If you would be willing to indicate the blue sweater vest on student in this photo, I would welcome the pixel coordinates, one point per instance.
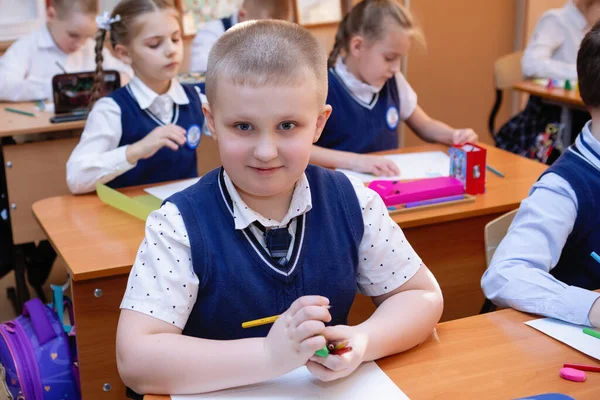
(576, 267)
(239, 281)
(357, 127)
(227, 24)
(166, 164)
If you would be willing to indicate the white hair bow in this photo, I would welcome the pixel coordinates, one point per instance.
(104, 21)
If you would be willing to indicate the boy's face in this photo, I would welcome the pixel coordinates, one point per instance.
(265, 134)
(71, 30)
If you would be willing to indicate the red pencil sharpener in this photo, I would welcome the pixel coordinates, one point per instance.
(467, 164)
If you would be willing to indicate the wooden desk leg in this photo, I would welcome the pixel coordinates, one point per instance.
(455, 252)
(96, 323)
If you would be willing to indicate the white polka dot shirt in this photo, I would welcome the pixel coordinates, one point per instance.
(163, 284)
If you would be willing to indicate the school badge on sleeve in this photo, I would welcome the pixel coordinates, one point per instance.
(193, 136)
(392, 117)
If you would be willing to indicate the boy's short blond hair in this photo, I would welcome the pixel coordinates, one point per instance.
(266, 52)
(63, 7)
(272, 9)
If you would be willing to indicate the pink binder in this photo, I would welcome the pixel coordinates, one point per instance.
(396, 192)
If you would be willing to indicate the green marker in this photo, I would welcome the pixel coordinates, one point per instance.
(587, 331)
(324, 352)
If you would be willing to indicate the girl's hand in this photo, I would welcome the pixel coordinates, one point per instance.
(461, 136)
(171, 136)
(333, 366)
(297, 334)
(376, 165)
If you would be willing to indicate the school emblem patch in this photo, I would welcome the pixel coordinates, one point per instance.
(193, 136)
(392, 117)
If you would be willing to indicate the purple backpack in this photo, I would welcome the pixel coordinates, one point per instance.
(38, 355)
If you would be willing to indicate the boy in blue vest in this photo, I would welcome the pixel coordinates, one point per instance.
(545, 263)
(268, 235)
(208, 35)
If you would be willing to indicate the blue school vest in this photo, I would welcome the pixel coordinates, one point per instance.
(240, 282)
(576, 267)
(166, 164)
(226, 21)
(359, 128)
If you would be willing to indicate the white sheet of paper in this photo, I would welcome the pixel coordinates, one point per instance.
(165, 191)
(429, 164)
(569, 334)
(367, 382)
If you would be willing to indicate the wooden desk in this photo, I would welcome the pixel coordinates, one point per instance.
(99, 245)
(17, 124)
(31, 170)
(490, 356)
(558, 95)
(450, 239)
(34, 170)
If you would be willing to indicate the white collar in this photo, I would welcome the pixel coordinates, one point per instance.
(146, 96)
(589, 139)
(244, 216)
(575, 16)
(359, 88)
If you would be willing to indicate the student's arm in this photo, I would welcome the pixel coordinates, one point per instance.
(432, 130)
(537, 59)
(519, 274)
(427, 128)
(372, 164)
(14, 84)
(98, 157)
(152, 354)
(408, 298)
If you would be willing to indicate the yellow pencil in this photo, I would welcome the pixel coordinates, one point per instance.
(264, 321)
(259, 322)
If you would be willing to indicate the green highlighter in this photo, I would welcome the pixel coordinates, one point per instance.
(587, 331)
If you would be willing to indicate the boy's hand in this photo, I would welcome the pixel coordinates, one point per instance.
(335, 367)
(376, 165)
(461, 136)
(171, 136)
(297, 333)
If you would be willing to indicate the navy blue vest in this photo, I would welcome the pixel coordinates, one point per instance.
(227, 24)
(166, 164)
(240, 282)
(356, 127)
(575, 266)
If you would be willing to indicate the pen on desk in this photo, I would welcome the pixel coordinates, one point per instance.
(591, 332)
(61, 67)
(434, 201)
(16, 111)
(495, 171)
(595, 256)
(580, 367)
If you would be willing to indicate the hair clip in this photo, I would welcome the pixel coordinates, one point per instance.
(104, 21)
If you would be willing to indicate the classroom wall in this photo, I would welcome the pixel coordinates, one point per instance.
(453, 75)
